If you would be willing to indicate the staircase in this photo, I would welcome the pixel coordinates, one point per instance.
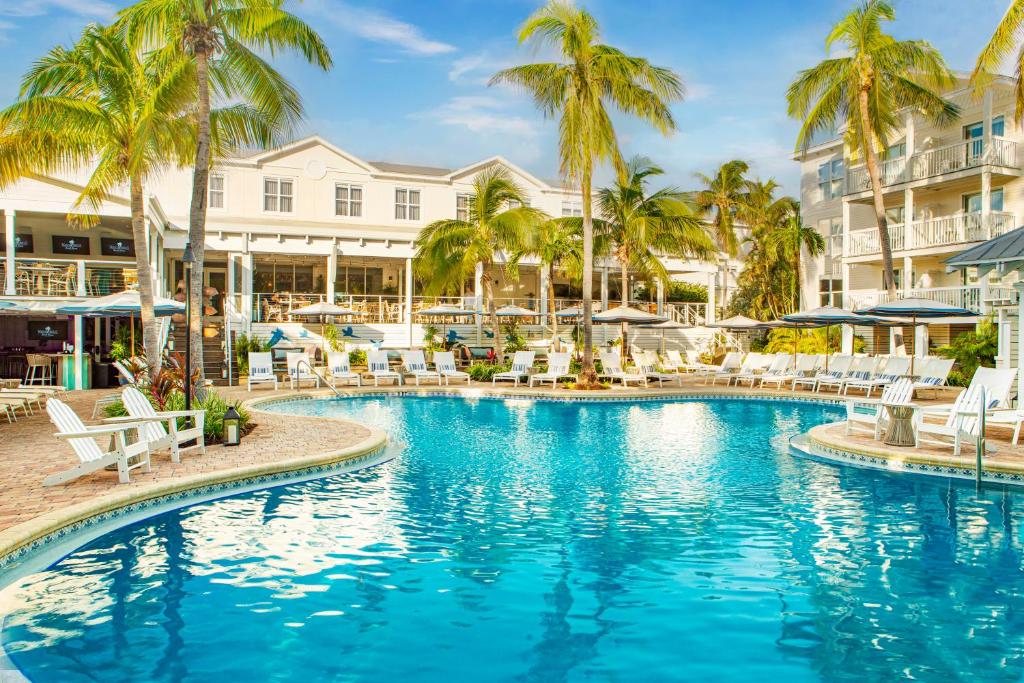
(213, 354)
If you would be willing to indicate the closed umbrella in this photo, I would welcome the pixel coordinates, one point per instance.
(915, 308)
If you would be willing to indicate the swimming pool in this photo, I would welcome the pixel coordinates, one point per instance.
(547, 541)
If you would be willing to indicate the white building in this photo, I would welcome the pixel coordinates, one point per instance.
(301, 223)
(945, 190)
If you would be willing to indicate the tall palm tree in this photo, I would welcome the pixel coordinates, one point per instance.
(589, 79)
(448, 250)
(223, 39)
(1005, 39)
(99, 103)
(764, 284)
(865, 89)
(639, 227)
(723, 196)
(789, 238)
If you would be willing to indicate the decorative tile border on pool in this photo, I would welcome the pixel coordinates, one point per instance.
(200, 493)
(809, 446)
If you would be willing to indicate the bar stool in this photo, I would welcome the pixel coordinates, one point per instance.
(38, 369)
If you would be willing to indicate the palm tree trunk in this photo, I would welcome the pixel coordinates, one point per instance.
(145, 274)
(492, 313)
(554, 318)
(197, 217)
(871, 161)
(588, 376)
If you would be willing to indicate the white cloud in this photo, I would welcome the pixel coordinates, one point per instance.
(378, 27)
(695, 92)
(481, 114)
(84, 8)
(476, 69)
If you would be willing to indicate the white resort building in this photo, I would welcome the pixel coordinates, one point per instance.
(946, 189)
(302, 223)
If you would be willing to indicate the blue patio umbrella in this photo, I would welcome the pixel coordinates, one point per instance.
(827, 316)
(11, 306)
(126, 303)
(914, 308)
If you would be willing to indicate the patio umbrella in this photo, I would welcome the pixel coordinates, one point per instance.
(445, 311)
(319, 310)
(915, 308)
(571, 312)
(516, 312)
(667, 325)
(626, 315)
(126, 303)
(11, 306)
(737, 322)
(827, 316)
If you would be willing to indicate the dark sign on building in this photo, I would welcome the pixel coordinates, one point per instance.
(48, 330)
(117, 246)
(74, 245)
(22, 243)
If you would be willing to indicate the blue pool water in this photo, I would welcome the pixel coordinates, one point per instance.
(539, 541)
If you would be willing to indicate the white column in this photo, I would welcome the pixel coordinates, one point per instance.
(604, 288)
(986, 204)
(909, 239)
(81, 279)
(408, 297)
(661, 298)
(909, 153)
(79, 343)
(709, 315)
(545, 275)
(1003, 345)
(332, 273)
(9, 285)
(846, 340)
(986, 117)
(1019, 286)
(921, 341)
(908, 275)
(478, 301)
(247, 279)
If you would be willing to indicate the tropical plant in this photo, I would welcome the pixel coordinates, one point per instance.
(676, 292)
(723, 195)
(100, 103)
(971, 350)
(449, 251)
(332, 338)
(865, 89)
(788, 240)
(588, 80)
(483, 372)
(818, 340)
(245, 344)
(514, 339)
(222, 41)
(1004, 40)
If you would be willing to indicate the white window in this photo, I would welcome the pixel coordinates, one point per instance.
(972, 202)
(215, 195)
(407, 204)
(348, 200)
(462, 207)
(830, 179)
(277, 194)
(572, 207)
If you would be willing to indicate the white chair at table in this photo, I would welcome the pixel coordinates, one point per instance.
(898, 393)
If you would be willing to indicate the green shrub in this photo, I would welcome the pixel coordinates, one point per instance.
(244, 345)
(676, 292)
(971, 350)
(330, 335)
(357, 357)
(483, 372)
(213, 403)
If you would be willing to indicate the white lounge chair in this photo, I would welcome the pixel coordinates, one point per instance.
(861, 367)
(91, 457)
(444, 361)
(647, 363)
(611, 367)
(153, 430)
(934, 374)
(805, 364)
(733, 364)
(377, 364)
(898, 393)
(261, 370)
(895, 368)
(416, 366)
(837, 367)
(340, 368)
(521, 364)
(300, 369)
(558, 368)
(692, 362)
(761, 363)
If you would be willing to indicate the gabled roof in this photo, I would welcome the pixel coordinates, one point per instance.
(1005, 252)
(307, 142)
(492, 161)
(410, 169)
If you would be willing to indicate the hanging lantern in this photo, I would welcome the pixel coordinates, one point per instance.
(232, 427)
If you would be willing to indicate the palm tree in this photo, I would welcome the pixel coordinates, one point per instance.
(788, 239)
(865, 89)
(588, 80)
(223, 39)
(764, 284)
(100, 104)
(1005, 39)
(640, 227)
(723, 196)
(448, 250)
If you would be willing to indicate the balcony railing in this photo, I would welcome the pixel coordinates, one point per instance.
(968, 297)
(55, 277)
(933, 232)
(958, 156)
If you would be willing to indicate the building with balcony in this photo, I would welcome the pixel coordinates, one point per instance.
(286, 227)
(945, 190)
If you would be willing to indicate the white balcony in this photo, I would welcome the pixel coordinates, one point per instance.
(933, 232)
(966, 296)
(951, 158)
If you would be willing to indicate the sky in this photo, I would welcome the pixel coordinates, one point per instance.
(409, 82)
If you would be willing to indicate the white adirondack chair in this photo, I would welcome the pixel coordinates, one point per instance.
(416, 366)
(558, 367)
(521, 364)
(899, 392)
(444, 361)
(261, 369)
(377, 363)
(91, 457)
(961, 422)
(159, 437)
(340, 367)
